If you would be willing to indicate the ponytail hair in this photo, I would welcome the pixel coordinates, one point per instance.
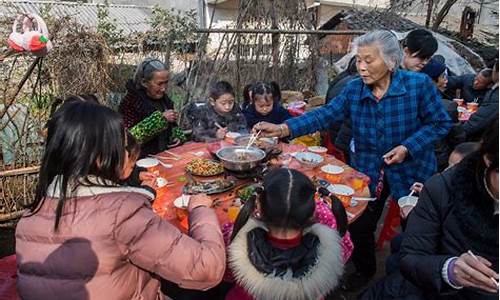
(261, 89)
(246, 211)
(338, 210)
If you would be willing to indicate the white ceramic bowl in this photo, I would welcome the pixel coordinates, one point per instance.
(161, 182)
(341, 190)
(332, 169)
(407, 201)
(317, 149)
(182, 201)
(309, 158)
(233, 135)
(147, 162)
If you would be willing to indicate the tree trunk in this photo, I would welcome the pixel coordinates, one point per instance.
(443, 12)
(429, 13)
(275, 42)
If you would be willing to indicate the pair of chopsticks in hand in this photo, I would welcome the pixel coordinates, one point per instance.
(253, 138)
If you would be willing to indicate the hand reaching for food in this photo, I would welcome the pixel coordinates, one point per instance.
(199, 200)
(221, 133)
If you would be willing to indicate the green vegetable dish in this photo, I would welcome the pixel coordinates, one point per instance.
(246, 192)
(150, 127)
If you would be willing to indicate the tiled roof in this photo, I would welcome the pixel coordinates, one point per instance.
(359, 19)
(129, 18)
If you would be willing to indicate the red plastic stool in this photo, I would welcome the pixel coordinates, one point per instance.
(391, 222)
(8, 278)
(332, 150)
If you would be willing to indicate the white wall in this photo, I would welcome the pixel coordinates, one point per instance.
(183, 5)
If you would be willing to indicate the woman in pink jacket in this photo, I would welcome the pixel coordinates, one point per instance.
(88, 237)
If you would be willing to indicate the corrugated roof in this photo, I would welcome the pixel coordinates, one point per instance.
(129, 18)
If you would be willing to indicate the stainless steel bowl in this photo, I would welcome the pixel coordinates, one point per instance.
(228, 157)
(270, 143)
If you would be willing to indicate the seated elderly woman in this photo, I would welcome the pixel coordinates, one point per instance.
(396, 118)
(146, 93)
(86, 236)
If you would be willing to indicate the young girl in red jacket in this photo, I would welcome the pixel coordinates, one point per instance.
(278, 247)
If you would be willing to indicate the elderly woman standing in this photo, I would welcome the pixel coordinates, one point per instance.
(146, 93)
(396, 118)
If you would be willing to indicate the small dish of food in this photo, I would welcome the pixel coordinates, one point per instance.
(308, 158)
(318, 149)
(209, 187)
(204, 167)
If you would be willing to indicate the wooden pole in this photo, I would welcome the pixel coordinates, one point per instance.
(20, 86)
(22, 171)
(281, 31)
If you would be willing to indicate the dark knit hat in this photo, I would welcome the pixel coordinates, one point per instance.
(434, 68)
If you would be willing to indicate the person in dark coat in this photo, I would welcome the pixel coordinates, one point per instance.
(487, 112)
(146, 93)
(450, 246)
(264, 107)
(457, 214)
(471, 86)
(438, 72)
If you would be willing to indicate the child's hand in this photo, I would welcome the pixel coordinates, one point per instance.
(221, 133)
(147, 176)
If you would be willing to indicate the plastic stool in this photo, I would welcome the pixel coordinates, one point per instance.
(391, 222)
(8, 278)
(332, 150)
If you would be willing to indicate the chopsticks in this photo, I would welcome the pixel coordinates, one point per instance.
(163, 157)
(174, 156)
(253, 138)
(218, 125)
(475, 257)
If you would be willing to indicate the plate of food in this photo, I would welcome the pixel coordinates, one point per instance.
(204, 167)
(245, 192)
(209, 187)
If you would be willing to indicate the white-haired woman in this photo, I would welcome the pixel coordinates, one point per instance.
(396, 116)
(146, 93)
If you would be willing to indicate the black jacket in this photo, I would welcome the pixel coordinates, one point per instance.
(454, 214)
(277, 116)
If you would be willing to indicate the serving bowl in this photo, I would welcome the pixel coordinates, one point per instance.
(239, 158)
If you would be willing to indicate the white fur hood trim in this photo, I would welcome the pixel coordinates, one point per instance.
(322, 278)
(101, 187)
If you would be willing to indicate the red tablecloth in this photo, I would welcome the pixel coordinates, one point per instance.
(163, 204)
